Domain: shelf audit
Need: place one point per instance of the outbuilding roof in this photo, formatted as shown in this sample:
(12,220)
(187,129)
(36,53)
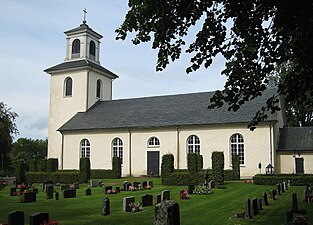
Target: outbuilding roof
(163,111)
(295,139)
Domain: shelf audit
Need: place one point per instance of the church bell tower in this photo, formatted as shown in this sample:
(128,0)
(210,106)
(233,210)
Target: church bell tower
(76,84)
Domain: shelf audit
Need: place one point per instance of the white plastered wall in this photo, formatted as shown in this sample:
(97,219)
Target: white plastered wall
(286,161)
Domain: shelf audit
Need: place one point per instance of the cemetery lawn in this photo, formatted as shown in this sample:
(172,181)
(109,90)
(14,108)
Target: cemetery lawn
(217,208)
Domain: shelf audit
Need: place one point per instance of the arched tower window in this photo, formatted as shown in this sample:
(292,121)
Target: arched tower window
(99,89)
(92,50)
(237,147)
(153,142)
(68,87)
(117,148)
(85,148)
(76,48)
(193,144)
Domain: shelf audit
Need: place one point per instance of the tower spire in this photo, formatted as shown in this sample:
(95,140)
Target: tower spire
(85,12)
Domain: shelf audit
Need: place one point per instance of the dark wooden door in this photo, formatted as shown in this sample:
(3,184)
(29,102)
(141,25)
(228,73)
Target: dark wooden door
(299,165)
(153,163)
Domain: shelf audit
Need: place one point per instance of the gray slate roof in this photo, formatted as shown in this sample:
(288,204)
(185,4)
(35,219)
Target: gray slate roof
(295,138)
(83,27)
(80,64)
(163,111)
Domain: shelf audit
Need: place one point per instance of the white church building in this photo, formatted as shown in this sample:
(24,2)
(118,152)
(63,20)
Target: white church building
(84,121)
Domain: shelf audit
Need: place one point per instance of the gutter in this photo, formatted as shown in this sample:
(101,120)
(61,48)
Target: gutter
(62,150)
(130,148)
(177,146)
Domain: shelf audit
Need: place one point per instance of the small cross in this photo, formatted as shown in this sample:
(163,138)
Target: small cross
(85,12)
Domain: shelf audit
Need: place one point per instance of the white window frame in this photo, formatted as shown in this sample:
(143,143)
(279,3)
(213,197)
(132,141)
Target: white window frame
(117,148)
(65,94)
(153,142)
(85,148)
(237,147)
(195,145)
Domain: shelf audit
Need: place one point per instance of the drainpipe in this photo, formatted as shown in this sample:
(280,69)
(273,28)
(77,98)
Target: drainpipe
(62,150)
(130,147)
(271,145)
(177,150)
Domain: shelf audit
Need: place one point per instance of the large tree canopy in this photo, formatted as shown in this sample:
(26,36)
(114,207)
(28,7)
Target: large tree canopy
(254,36)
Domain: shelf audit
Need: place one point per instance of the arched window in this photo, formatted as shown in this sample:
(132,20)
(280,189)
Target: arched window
(92,50)
(99,89)
(117,148)
(153,142)
(68,87)
(76,48)
(193,144)
(85,148)
(237,147)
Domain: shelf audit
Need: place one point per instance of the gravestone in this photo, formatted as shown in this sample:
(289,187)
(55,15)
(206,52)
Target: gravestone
(157,199)
(288,183)
(75,186)
(105,206)
(294,206)
(65,187)
(167,212)
(191,187)
(136,184)
(126,185)
(285,185)
(282,187)
(165,195)
(146,200)
(265,199)
(49,191)
(117,189)
(57,195)
(260,204)
(278,189)
(150,183)
(16,218)
(211,184)
(94,183)
(248,208)
(255,209)
(273,194)
(144,184)
(88,191)
(126,203)
(28,197)
(71,193)
(107,188)
(12,191)
(38,218)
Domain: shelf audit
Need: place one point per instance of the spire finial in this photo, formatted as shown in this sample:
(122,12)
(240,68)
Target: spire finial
(85,12)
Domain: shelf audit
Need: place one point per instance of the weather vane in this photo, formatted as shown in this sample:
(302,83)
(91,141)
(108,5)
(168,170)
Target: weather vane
(85,12)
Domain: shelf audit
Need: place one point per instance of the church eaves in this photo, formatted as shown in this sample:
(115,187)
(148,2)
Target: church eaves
(295,139)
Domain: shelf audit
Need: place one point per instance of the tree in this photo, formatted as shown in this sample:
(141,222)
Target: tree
(254,37)
(7,130)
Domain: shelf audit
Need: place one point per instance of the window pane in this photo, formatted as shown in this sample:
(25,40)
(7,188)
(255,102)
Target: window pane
(68,86)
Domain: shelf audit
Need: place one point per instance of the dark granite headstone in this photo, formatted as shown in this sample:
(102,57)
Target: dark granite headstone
(191,187)
(88,191)
(136,184)
(273,194)
(211,184)
(248,213)
(65,187)
(294,202)
(28,197)
(150,183)
(126,203)
(49,191)
(126,185)
(57,195)
(167,212)
(265,199)
(146,200)
(105,206)
(165,195)
(107,188)
(278,189)
(12,191)
(16,218)
(71,193)
(94,183)
(255,209)
(117,189)
(282,187)
(38,218)
(260,207)
(289,216)
(157,199)
(144,184)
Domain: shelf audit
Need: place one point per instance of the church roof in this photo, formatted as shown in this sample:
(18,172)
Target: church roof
(80,64)
(163,111)
(295,138)
(83,28)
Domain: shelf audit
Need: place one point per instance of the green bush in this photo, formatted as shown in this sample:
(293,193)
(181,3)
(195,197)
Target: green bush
(116,167)
(230,175)
(192,162)
(37,177)
(52,165)
(167,167)
(102,174)
(295,179)
(42,165)
(64,177)
(84,167)
(236,166)
(200,163)
(20,171)
(33,167)
(185,178)
(218,166)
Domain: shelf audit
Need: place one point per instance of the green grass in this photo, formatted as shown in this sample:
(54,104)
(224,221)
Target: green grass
(217,208)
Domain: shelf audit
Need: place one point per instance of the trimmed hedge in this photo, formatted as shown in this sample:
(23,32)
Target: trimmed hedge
(295,179)
(116,167)
(200,163)
(218,166)
(33,165)
(230,175)
(185,178)
(192,162)
(84,167)
(102,174)
(20,172)
(60,177)
(167,167)
(236,166)
(42,165)
(52,165)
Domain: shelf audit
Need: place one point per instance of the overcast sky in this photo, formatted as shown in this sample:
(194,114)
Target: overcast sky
(32,39)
